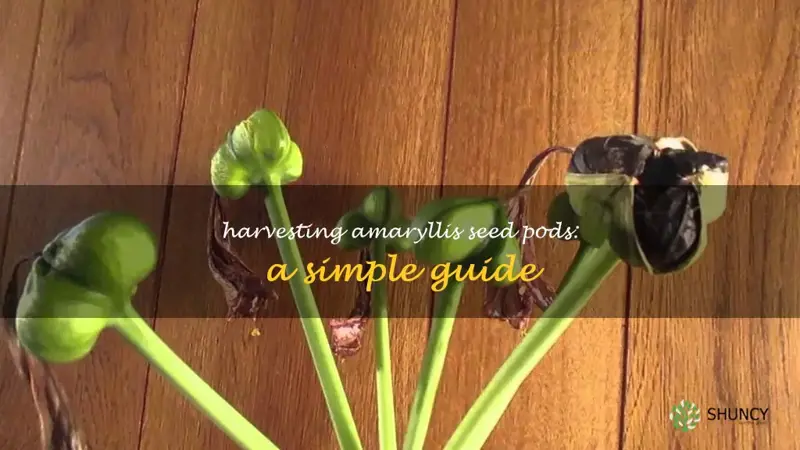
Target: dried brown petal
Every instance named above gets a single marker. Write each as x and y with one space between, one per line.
63 435
56 424
514 303
245 292
346 334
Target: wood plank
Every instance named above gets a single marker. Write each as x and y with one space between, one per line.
19 30
527 75
104 105
732 88
361 89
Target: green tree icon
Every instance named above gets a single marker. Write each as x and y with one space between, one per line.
685 416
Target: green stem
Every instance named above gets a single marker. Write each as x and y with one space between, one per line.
227 418
589 268
444 317
387 433
315 331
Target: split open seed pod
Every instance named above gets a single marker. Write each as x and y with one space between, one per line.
651 199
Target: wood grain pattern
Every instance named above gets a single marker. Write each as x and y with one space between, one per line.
19 29
103 107
376 91
361 89
733 88
527 75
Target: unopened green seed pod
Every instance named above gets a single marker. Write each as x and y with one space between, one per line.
503 259
109 252
57 320
456 214
494 247
402 242
229 178
382 206
356 229
258 151
83 279
560 214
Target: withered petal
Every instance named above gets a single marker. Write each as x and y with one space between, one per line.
64 435
245 292
514 304
347 334
620 154
504 303
56 422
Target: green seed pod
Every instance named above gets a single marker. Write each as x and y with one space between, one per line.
449 215
381 206
61 330
510 247
560 213
651 200
494 248
229 178
403 242
83 279
258 151
107 252
354 222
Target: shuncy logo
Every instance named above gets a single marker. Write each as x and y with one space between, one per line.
685 416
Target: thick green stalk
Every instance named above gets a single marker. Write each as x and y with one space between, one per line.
227 418
589 268
315 331
387 433
444 317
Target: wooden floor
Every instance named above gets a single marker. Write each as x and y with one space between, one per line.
410 92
